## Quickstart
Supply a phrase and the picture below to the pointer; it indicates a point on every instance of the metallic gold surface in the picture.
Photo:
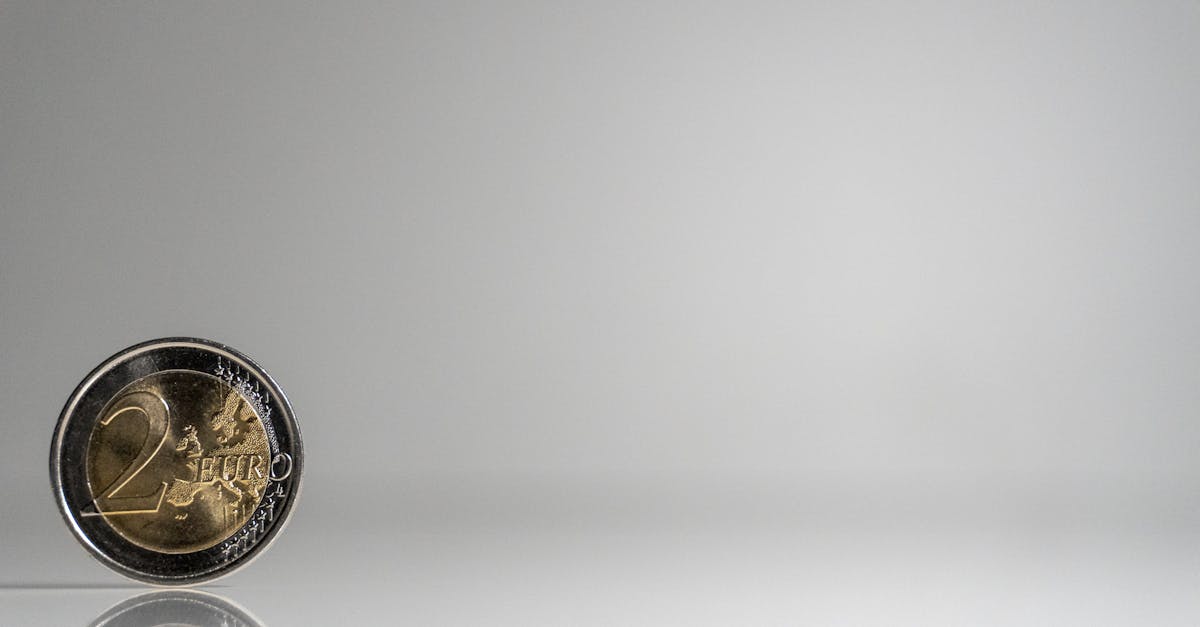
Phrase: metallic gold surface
(177, 462)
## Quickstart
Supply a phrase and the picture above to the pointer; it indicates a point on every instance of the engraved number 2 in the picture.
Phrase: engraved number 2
(154, 409)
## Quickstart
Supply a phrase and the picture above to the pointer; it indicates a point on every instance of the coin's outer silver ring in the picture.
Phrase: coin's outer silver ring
(74, 428)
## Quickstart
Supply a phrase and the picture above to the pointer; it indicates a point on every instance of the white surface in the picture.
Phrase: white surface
(570, 564)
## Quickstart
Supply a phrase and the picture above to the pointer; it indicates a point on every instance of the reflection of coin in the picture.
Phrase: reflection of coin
(175, 608)
(176, 461)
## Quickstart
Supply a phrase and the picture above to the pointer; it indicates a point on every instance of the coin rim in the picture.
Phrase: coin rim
(131, 571)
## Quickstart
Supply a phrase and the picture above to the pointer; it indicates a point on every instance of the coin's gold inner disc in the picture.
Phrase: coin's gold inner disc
(178, 461)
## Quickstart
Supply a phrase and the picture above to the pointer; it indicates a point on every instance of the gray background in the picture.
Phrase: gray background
(772, 313)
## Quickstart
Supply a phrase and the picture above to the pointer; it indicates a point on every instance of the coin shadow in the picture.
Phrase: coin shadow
(177, 607)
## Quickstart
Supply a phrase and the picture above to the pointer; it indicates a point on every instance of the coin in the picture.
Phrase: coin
(176, 461)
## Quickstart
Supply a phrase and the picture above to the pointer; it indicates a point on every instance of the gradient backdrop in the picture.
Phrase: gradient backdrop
(846, 313)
